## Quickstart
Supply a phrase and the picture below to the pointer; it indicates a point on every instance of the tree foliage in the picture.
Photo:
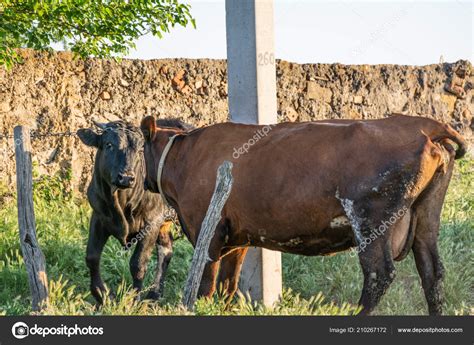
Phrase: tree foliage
(87, 27)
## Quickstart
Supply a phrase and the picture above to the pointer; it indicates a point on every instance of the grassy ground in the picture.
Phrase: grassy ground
(62, 223)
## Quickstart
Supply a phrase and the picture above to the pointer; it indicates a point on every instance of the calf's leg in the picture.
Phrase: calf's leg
(141, 257)
(95, 245)
(164, 252)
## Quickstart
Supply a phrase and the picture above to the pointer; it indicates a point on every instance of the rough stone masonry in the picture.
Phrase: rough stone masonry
(57, 93)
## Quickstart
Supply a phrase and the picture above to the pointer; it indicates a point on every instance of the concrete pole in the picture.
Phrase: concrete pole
(252, 99)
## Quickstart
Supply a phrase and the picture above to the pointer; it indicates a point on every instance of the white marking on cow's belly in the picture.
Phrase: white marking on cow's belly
(355, 221)
(339, 222)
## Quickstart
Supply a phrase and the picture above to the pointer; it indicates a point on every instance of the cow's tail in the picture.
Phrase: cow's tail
(449, 133)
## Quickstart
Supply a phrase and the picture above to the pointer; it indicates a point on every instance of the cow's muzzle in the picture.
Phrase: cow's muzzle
(125, 180)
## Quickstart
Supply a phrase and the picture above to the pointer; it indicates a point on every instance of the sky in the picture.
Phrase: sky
(348, 32)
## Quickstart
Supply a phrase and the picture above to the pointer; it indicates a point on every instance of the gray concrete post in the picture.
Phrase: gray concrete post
(252, 99)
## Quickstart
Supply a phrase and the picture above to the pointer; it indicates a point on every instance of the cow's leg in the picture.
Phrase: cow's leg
(95, 245)
(373, 229)
(431, 271)
(425, 246)
(208, 282)
(379, 271)
(229, 273)
(373, 222)
(141, 257)
(164, 252)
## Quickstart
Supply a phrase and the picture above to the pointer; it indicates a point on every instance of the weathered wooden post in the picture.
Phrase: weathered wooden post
(32, 254)
(213, 216)
(252, 99)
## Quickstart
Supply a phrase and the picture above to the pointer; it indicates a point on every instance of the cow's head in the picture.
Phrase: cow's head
(119, 152)
(157, 133)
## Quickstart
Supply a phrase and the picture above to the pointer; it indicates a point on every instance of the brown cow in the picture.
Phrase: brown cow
(314, 188)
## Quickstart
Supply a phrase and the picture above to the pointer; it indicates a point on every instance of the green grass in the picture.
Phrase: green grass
(62, 223)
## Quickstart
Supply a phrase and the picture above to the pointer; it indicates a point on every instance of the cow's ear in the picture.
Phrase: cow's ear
(148, 127)
(89, 137)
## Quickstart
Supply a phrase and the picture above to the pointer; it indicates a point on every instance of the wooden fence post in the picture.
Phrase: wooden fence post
(213, 216)
(32, 254)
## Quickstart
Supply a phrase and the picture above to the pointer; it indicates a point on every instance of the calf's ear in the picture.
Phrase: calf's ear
(148, 127)
(89, 137)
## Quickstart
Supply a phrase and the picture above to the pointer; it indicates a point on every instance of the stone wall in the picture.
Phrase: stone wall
(56, 93)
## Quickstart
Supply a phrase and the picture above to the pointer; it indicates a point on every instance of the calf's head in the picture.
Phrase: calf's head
(119, 152)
